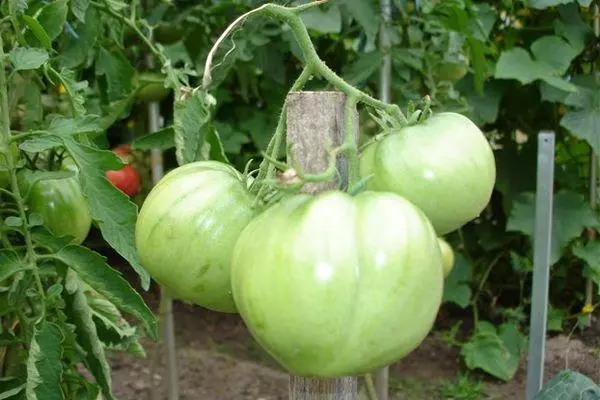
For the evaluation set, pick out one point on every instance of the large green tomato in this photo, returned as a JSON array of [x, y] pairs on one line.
[[61, 204], [445, 166], [187, 229], [447, 256], [336, 285]]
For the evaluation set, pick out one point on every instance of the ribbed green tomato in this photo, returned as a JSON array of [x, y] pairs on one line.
[[445, 166], [61, 204], [187, 228], [336, 285], [447, 256]]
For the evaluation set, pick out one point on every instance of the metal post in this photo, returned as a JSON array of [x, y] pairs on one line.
[[541, 263], [313, 119], [381, 377]]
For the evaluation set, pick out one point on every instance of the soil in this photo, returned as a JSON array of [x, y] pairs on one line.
[[218, 359]]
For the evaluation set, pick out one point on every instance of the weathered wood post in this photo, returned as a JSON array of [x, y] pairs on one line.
[[314, 121]]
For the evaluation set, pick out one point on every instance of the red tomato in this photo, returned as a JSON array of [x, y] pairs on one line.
[[127, 179]]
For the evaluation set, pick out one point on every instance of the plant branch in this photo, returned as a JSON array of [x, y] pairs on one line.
[[11, 163], [291, 17]]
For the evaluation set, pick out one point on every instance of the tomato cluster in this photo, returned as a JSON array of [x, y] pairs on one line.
[[332, 284]]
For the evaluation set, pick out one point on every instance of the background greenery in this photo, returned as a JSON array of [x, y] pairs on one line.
[[515, 67]]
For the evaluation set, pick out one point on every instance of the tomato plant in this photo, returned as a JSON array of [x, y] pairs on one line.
[[321, 281], [444, 165], [187, 228]]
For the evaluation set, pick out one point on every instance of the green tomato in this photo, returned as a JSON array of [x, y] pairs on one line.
[[447, 256], [152, 86], [445, 166], [335, 285], [187, 229], [61, 204]]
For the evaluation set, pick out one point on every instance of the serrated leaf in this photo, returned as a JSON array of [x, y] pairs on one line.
[[78, 312], [323, 20], [496, 352], [93, 270], [116, 70], [456, 287], [79, 9], [115, 213], [44, 364], [24, 58], [190, 118], [74, 89], [38, 31], [41, 143], [62, 126], [569, 385], [571, 215], [162, 139], [52, 17]]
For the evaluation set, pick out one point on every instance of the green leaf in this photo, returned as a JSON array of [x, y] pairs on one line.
[[213, 140], [572, 27], [79, 8], [62, 126], [9, 265], [516, 63], [569, 385], [323, 20], [191, 116], [556, 317], [93, 270], [74, 89], [14, 222], [456, 286], [571, 216], [79, 314], [162, 139], [10, 387], [38, 31], [496, 352], [75, 51], [24, 58], [117, 72], [486, 105], [53, 16], [543, 4], [17, 6], [115, 213], [365, 66], [584, 120], [44, 364], [366, 13], [554, 52], [590, 253], [40, 143]]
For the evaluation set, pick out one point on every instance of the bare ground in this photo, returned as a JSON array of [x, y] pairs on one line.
[[219, 360]]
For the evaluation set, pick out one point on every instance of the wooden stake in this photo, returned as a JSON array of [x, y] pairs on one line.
[[315, 126]]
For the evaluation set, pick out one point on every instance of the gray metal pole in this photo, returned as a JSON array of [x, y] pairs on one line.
[[541, 263], [381, 377]]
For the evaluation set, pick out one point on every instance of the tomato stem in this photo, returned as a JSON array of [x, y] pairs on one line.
[[11, 164]]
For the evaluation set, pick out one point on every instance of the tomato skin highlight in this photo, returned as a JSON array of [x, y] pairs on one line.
[[445, 166], [187, 229], [447, 256], [335, 285], [61, 204]]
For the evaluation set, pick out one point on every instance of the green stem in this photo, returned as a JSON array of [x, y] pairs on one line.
[[106, 9], [11, 164]]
